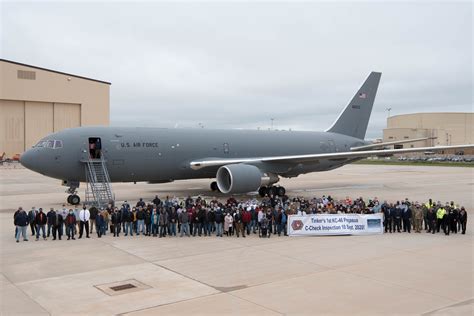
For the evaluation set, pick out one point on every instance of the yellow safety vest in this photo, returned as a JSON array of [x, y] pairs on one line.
[[440, 213]]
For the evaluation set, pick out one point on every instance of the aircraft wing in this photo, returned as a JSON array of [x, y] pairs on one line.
[[396, 142], [213, 162]]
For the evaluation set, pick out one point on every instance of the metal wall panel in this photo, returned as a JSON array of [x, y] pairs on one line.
[[12, 127], [66, 115], [38, 121]]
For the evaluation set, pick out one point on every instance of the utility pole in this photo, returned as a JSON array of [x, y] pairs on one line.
[[272, 123]]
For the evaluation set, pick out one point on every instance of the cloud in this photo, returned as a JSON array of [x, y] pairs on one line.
[[240, 64]]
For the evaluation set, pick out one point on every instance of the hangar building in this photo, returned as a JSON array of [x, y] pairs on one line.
[[450, 128], [35, 102]]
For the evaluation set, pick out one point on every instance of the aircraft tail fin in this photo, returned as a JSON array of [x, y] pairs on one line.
[[354, 119]]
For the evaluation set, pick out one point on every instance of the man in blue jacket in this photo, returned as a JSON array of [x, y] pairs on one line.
[[21, 221]]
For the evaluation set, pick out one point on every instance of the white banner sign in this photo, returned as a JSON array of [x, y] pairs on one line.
[[335, 224]]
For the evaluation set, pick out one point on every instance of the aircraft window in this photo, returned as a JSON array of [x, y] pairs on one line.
[[40, 144], [49, 144], [58, 144]]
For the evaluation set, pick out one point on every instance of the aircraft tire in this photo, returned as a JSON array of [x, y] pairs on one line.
[[274, 191], [214, 186], [281, 191], [75, 199], [69, 199], [262, 191]]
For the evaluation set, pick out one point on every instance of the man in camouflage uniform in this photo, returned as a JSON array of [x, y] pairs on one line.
[[418, 217]]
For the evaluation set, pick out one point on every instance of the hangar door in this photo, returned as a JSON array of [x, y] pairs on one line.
[[12, 127], [38, 121], [66, 115]]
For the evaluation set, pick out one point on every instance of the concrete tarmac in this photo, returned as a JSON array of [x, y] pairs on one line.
[[364, 275]]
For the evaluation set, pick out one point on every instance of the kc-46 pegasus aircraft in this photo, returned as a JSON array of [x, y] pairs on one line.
[[240, 160]]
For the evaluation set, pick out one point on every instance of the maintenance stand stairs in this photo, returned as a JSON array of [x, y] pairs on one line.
[[99, 189]]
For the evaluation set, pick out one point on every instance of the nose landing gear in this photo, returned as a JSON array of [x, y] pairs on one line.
[[73, 198]]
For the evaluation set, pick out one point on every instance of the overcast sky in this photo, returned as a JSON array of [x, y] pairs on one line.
[[237, 65]]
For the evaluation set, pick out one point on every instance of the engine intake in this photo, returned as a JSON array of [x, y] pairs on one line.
[[242, 178]]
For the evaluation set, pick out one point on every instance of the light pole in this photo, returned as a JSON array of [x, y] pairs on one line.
[[272, 123], [388, 111]]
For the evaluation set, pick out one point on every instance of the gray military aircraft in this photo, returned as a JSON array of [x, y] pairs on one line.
[[240, 160]]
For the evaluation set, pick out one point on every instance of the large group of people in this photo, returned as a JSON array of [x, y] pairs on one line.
[[200, 217]]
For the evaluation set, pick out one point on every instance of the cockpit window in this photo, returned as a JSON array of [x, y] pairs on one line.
[[50, 144]]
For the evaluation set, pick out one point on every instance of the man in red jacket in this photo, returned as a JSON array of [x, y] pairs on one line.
[[246, 218]]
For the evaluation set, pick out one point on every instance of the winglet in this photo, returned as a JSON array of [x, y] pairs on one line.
[[354, 119]]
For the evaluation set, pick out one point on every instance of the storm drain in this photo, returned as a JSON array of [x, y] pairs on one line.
[[122, 287]]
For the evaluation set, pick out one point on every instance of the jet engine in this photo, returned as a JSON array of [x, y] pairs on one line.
[[242, 178]]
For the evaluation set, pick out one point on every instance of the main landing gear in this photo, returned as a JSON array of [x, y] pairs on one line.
[[214, 186], [271, 190]]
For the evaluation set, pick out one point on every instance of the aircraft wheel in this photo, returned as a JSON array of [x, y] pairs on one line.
[[262, 191], [281, 191], [75, 199], [274, 191], [214, 186], [69, 199]]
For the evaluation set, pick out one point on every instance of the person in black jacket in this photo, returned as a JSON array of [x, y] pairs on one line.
[[57, 225], [31, 219], [463, 219], [40, 221], [431, 219], [219, 218], [93, 215], [396, 218], [116, 222], [201, 215], [21, 221], [49, 217], [147, 222], [406, 215], [387, 217]]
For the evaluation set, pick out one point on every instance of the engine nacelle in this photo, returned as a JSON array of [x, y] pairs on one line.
[[242, 178]]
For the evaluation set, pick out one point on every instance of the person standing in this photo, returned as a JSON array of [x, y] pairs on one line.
[[40, 221], [238, 223], [246, 219], [70, 224], [50, 216], [440, 213], [147, 222], [396, 218], [228, 223], [431, 220], [140, 220], [21, 221], [173, 219], [219, 219], [407, 216], [184, 220], [155, 222], [100, 222], [163, 222], [84, 216], [94, 211], [116, 222], [418, 217], [463, 219], [387, 217], [57, 225], [31, 219]]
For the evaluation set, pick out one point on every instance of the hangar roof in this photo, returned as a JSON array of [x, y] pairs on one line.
[[54, 71]]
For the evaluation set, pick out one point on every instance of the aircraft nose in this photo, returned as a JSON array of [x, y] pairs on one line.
[[27, 159]]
